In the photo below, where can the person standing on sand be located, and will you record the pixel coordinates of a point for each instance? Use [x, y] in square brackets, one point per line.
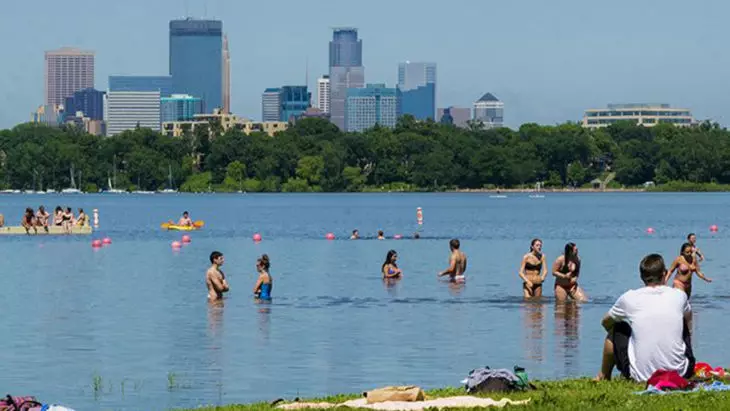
[215, 279]
[457, 263]
[648, 328]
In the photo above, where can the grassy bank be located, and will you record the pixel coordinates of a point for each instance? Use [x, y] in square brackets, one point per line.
[583, 394]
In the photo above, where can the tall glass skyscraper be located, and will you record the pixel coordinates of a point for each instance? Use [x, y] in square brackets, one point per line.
[417, 83]
[196, 60]
[374, 104]
[295, 100]
[346, 71]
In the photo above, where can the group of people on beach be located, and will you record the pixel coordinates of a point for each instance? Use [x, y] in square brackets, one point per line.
[33, 220]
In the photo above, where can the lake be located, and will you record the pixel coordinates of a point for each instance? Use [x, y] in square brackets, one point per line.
[127, 327]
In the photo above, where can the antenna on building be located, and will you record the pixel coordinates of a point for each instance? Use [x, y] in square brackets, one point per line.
[306, 71]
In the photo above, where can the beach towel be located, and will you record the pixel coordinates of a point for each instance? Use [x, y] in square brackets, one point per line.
[403, 393]
[439, 403]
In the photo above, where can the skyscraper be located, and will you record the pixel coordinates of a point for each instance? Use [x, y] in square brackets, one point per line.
[180, 107]
[271, 104]
[163, 84]
[323, 93]
[346, 71]
[294, 101]
[226, 76]
[374, 104]
[68, 70]
[196, 60]
[128, 109]
[417, 83]
[88, 101]
[489, 110]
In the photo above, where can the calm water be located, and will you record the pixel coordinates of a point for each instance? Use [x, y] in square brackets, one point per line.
[128, 327]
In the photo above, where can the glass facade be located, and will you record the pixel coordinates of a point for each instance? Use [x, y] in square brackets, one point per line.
[295, 100]
[196, 60]
[163, 84]
[417, 83]
[346, 71]
[374, 104]
[88, 101]
[180, 108]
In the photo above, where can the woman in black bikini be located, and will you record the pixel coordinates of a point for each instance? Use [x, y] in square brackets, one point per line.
[533, 270]
[28, 221]
[566, 270]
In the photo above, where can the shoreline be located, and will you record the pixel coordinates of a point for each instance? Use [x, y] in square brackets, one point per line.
[567, 394]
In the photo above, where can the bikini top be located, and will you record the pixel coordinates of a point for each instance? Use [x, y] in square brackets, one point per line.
[534, 267]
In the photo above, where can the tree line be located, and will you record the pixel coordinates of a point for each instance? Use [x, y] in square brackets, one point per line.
[313, 155]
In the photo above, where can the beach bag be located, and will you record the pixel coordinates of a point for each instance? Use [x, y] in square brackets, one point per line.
[484, 380]
[409, 393]
[10, 403]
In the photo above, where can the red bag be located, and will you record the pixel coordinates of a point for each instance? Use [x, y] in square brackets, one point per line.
[668, 379]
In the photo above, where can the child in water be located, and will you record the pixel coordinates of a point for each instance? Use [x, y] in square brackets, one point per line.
[262, 289]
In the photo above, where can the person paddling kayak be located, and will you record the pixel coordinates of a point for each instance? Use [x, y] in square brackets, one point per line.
[185, 220]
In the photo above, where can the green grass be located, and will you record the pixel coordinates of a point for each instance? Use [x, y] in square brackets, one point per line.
[583, 394]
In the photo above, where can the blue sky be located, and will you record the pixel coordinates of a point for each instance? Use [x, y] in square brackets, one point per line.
[547, 60]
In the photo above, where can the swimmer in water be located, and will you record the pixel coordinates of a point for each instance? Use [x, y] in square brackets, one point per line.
[381, 235]
[215, 279]
[692, 239]
[185, 220]
[355, 235]
[566, 270]
[262, 289]
[533, 270]
[416, 235]
[390, 268]
[28, 221]
[457, 263]
[42, 217]
[685, 264]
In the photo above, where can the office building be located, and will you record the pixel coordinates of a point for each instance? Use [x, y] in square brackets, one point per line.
[323, 93]
[647, 115]
[163, 84]
[48, 114]
[458, 116]
[227, 121]
[294, 101]
[86, 124]
[226, 76]
[371, 105]
[67, 71]
[127, 110]
[196, 60]
[180, 107]
[489, 111]
[271, 104]
[89, 101]
[417, 83]
[346, 71]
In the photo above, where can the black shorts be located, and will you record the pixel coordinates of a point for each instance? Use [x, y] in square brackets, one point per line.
[620, 336]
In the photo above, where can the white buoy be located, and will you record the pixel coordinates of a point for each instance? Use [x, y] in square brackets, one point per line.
[96, 218]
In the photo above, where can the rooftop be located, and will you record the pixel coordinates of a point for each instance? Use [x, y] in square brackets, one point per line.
[488, 97]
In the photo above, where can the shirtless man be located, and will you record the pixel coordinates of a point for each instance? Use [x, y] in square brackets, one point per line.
[185, 220]
[215, 279]
[42, 217]
[692, 239]
[457, 263]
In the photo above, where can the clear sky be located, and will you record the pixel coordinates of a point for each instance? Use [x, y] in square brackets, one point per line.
[547, 60]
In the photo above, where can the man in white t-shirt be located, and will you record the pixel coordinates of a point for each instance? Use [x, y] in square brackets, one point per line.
[648, 328]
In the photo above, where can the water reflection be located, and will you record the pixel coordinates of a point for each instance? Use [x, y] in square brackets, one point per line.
[533, 316]
[215, 317]
[391, 286]
[263, 310]
[567, 323]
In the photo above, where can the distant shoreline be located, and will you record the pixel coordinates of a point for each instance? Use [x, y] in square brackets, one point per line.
[548, 190]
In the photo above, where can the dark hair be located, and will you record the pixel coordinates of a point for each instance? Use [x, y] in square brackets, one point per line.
[264, 261]
[652, 269]
[58, 208]
[68, 210]
[388, 257]
[685, 245]
[28, 210]
[569, 253]
[690, 235]
[81, 210]
[214, 255]
[416, 235]
[380, 232]
[455, 244]
[354, 231]
[185, 212]
[532, 243]
[41, 208]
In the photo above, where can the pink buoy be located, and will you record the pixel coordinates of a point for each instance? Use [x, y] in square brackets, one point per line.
[176, 244]
[257, 237]
[650, 230]
[186, 239]
[713, 228]
[96, 243]
[330, 236]
[397, 237]
[106, 241]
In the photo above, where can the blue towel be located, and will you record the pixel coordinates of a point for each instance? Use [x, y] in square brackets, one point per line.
[715, 386]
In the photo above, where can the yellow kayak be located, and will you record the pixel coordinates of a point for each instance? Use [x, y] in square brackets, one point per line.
[196, 226]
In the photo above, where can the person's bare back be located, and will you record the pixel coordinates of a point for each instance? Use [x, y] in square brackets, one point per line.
[457, 262]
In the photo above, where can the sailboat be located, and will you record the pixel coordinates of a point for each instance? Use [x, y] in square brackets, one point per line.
[111, 189]
[536, 193]
[169, 189]
[72, 189]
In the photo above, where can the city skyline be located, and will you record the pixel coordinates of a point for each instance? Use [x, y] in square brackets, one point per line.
[540, 68]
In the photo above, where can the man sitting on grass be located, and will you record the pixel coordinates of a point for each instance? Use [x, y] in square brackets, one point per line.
[648, 328]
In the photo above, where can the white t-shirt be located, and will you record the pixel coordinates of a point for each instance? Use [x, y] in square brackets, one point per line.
[655, 315]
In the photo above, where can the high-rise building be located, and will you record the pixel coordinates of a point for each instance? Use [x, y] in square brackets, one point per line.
[294, 101]
[127, 110]
[458, 116]
[323, 93]
[180, 107]
[48, 114]
[417, 83]
[89, 101]
[226, 76]
[68, 70]
[489, 110]
[271, 104]
[374, 104]
[163, 84]
[346, 71]
[196, 60]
